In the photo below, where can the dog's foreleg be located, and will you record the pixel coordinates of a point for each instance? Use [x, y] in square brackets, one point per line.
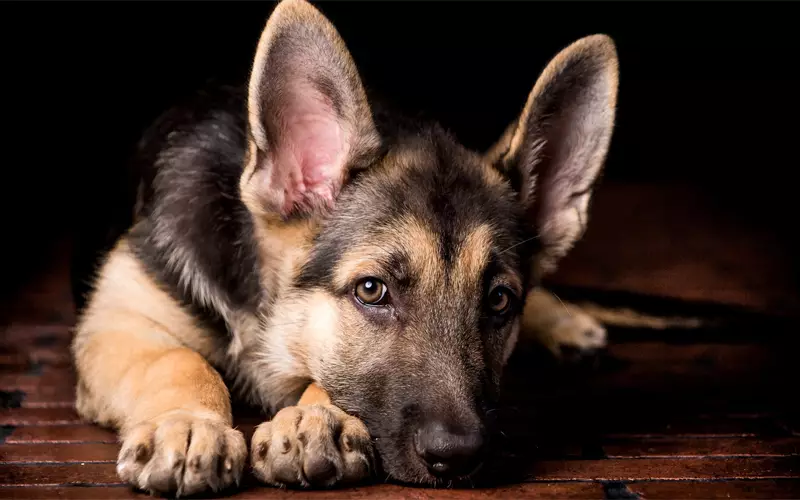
[560, 326]
[135, 374]
[172, 411]
[312, 444]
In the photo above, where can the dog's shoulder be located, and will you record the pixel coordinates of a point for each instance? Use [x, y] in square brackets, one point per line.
[193, 234]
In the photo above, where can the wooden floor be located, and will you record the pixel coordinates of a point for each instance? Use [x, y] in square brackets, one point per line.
[664, 414]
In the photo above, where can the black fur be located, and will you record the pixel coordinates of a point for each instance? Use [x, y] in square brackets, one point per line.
[190, 162]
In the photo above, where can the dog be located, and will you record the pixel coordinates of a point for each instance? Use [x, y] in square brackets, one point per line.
[360, 276]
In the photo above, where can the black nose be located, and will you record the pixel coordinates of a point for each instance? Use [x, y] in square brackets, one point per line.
[447, 453]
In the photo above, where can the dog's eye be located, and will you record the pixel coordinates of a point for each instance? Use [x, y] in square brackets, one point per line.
[500, 300]
[371, 292]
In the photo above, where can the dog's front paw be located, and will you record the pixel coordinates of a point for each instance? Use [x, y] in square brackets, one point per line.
[311, 446]
[568, 332]
[574, 336]
[182, 455]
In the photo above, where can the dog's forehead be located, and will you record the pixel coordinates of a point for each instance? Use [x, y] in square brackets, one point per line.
[429, 208]
[416, 255]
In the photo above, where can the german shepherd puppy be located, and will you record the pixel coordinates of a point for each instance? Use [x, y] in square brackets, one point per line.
[361, 277]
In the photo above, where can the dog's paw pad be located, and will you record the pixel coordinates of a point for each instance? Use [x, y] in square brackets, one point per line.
[311, 447]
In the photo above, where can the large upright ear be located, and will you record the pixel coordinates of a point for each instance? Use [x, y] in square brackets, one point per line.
[555, 150]
[308, 116]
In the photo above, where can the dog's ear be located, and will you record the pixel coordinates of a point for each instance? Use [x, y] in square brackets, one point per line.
[308, 116]
[555, 150]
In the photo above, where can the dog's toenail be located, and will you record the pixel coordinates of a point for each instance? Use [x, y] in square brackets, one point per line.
[262, 450]
[142, 453]
[286, 445]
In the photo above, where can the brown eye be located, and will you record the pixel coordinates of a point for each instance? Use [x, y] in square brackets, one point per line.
[499, 300]
[370, 291]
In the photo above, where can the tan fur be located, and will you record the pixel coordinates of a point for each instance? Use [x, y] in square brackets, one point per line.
[142, 366]
[131, 319]
[630, 318]
[407, 234]
[283, 248]
[557, 324]
[295, 336]
[314, 394]
[472, 258]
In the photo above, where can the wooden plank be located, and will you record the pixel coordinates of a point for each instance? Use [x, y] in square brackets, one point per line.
[60, 434]
[47, 396]
[39, 416]
[560, 423]
[575, 491]
[394, 492]
[767, 489]
[58, 453]
[49, 356]
[697, 447]
[749, 489]
[31, 333]
[49, 383]
[56, 475]
[665, 469]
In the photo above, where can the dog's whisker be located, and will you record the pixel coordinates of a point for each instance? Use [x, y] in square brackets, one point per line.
[518, 244]
[562, 303]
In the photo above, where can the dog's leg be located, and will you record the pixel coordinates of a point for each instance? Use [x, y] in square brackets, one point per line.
[171, 408]
[563, 328]
[312, 444]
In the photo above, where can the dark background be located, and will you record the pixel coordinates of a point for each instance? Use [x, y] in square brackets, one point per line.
[708, 91]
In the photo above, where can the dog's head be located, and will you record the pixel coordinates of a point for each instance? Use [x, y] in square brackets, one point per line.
[425, 251]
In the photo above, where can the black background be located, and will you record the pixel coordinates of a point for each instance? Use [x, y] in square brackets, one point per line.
[708, 91]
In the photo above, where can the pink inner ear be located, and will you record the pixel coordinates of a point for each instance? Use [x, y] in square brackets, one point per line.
[311, 154]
